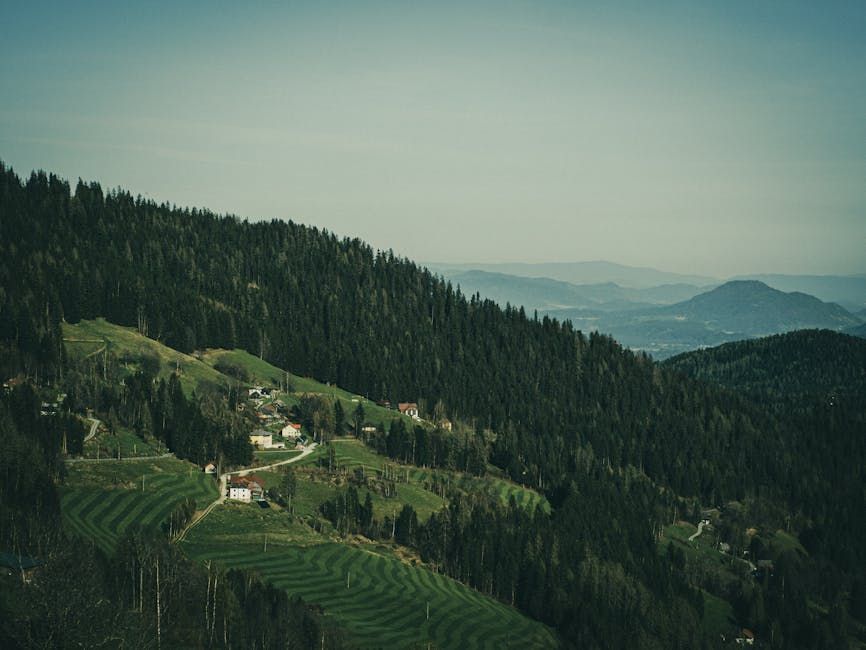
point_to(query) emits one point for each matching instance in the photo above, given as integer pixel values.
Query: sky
(715, 138)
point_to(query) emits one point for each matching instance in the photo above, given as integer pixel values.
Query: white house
(210, 468)
(239, 492)
(410, 409)
(292, 430)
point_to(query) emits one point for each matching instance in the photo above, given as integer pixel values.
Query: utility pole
(158, 635)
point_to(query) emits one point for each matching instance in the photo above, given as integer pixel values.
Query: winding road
(697, 534)
(309, 449)
(93, 427)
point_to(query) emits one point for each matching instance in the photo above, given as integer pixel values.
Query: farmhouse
(409, 408)
(246, 489)
(209, 468)
(262, 439)
(292, 430)
(239, 492)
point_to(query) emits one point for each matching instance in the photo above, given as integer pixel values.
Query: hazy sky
(715, 138)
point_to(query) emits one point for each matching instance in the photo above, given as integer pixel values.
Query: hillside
(198, 371)
(806, 362)
(754, 309)
(849, 291)
(90, 338)
(619, 446)
(104, 501)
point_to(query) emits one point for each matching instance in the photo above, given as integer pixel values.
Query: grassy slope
(101, 500)
(386, 604)
(90, 336)
(386, 601)
(81, 341)
(352, 453)
(264, 373)
(106, 445)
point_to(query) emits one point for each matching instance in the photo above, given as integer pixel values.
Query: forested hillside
(610, 437)
(369, 321)
(814, 382)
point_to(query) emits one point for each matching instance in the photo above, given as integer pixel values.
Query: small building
(383, 403)
(409, 408)
(239, 492)
(445, 425)
(368, 428)
(256, 392)
(747, 637)
(209, 468)
(292, 430)
(262, 439)
(246, 489)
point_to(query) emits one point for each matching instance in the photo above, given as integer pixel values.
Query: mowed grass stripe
(385, 604)
(103, 515)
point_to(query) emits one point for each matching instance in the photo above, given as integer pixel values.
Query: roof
(295, 426)
(261, 432)
(18, 562)
(405, 406)
(246, 481)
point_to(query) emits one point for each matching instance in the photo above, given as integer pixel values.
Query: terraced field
(385, 602)
(102, 511)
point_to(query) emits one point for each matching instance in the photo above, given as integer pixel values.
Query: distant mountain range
(669, 313)
(546, 293)
(598, 272)
(736, 310)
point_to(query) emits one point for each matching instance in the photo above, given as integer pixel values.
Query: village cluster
(272, 416)
(276, 431)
